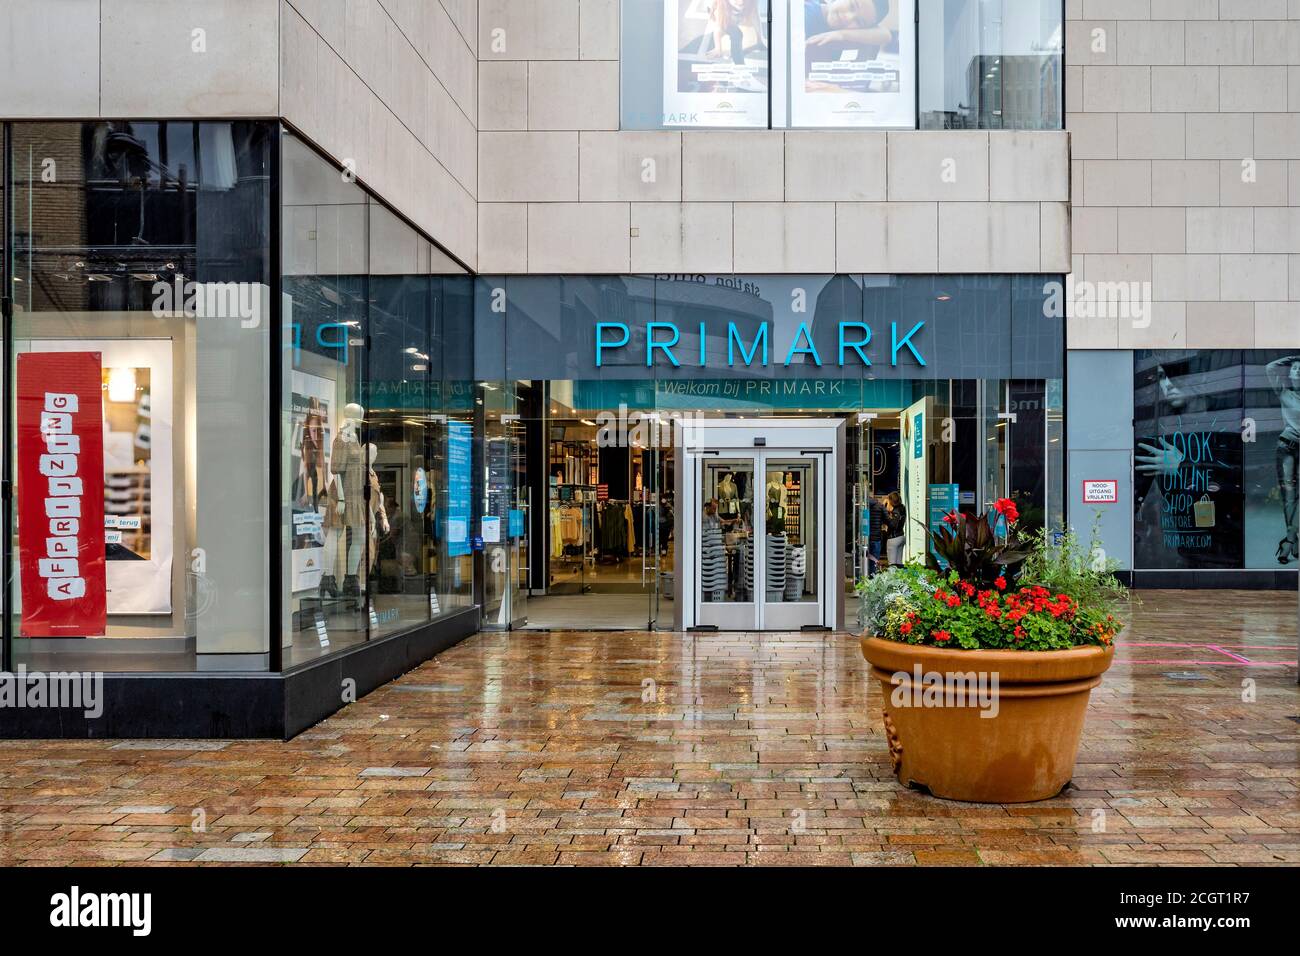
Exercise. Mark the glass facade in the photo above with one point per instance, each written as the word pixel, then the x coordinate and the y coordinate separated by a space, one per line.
pixel 375 414
pixel 142 371
pixel 821 64
pixel 1216 445
pixel 992 64
pixel 292 425
pixel 141 274
pixel 606 370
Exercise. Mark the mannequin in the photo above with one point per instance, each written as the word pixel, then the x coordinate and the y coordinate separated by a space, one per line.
pixel 347 464
pixel 728 497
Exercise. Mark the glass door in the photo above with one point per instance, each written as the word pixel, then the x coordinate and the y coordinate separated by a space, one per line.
pixel 504 523
pixel 654 522
pixel 793 502
pixel 725 539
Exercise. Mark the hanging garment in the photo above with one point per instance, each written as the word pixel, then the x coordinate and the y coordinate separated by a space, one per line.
pixel 728 497
pixel 347 461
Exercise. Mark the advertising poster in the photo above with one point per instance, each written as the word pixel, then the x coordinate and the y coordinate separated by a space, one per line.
pixel 1188 460
pixel 459 446
pixel 312 427
pixel 137 468
pixel 914 478
pixel 943 502
pixel 60 442
pixel 716 63
pixel 853 63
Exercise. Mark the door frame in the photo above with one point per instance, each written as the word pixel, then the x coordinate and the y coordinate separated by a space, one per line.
pixel 755 438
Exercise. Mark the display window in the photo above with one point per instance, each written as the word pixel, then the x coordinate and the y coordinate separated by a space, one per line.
pixel 833 64
pixel 375 457
pixel 1216 445
pixel 141 278
pixel 156 526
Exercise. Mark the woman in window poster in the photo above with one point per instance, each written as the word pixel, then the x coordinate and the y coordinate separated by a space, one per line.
pixel 716 63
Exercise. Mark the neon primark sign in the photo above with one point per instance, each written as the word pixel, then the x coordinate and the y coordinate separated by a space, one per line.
pixel 854 340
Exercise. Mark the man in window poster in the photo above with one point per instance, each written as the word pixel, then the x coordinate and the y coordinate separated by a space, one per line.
pixel 847 53
pixel 717 62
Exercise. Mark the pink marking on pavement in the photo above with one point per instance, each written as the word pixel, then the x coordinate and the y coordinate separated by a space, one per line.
pixel 1231 663
pixel 1235 657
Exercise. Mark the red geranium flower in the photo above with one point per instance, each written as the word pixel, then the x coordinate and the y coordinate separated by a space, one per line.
pixel 941 636
pixel 1000 583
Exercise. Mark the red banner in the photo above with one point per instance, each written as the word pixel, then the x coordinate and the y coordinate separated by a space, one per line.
pixel 60 462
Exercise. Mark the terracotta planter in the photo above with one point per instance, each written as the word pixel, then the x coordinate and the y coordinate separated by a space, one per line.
pixel 1023 750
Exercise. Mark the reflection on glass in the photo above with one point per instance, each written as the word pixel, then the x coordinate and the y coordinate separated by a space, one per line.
pixel 791 528
pixel 991 64
pixel 727 531
pixel 377 453
pixel 126 232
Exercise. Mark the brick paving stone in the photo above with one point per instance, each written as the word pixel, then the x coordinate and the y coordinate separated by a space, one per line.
pixel 498 753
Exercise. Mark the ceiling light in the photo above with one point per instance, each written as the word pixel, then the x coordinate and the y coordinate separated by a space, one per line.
pixel 121 385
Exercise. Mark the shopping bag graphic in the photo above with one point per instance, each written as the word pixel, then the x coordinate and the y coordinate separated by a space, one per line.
pixel 1203 511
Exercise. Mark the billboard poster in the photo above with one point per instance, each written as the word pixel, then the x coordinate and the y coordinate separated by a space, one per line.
pixel 716 63
pixel 459 449
pixel 137 467
pixel 311 427
pixel 60 438
pixel 853 63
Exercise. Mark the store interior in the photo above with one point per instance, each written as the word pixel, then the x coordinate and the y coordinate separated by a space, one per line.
pixel 604 552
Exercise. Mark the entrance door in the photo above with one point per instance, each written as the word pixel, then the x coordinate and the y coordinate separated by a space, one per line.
pixel 760 525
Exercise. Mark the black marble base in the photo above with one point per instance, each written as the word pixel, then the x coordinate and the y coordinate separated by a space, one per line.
pixel 198 705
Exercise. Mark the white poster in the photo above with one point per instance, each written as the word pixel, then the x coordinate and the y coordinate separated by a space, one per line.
pixel 311 422
pixel 914 464
pixel 716 63
pixel 138 482
pixel 853 63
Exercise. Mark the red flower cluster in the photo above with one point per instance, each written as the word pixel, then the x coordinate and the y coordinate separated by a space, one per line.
pixel 944 597
pixel 1007 508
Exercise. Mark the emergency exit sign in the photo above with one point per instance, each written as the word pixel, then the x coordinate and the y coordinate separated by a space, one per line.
pixel 1100 491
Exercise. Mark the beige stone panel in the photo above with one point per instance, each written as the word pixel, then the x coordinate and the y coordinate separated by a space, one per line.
pixel 671 237
pixel 524 167
pixel 784 237
pixel 503 238
pixel 579 237
pixel 952 166
pixel 839 165
pixel 887 237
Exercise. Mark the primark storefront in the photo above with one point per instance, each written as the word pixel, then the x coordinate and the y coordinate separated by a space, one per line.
pixel 267 446
pixel 704 451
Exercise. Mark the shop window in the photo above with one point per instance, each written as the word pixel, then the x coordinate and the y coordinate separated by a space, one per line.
pixel 991 64
pixel 701 64
pixel 141 281
pixel 376 452
pixel 1216 444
